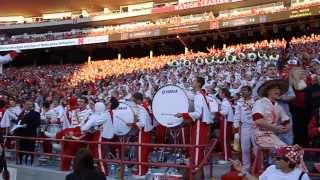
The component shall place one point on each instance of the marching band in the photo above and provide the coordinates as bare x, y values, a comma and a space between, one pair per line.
138, 118
190, 107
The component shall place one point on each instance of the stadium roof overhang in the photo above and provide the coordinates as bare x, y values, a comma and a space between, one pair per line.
30, 8
213, 8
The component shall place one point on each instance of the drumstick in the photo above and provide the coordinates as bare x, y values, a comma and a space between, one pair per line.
168, 114
122, 119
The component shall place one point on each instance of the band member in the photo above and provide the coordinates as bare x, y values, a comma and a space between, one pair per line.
29, 121
11, 114
80, 114
144, 123
10, 118
159, 129
226, 123
68, 148
270, 119
56, 116
61, 116
243, 121
45, 117
112, 105
200, 119
107, 134
90, 131
56, 120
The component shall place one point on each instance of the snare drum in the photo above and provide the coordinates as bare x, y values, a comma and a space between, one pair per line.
122, 115
169, 101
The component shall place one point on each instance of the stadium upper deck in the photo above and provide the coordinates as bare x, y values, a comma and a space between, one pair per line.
141, 20
23, 14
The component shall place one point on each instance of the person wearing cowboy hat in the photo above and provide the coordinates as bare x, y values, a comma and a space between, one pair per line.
286, 166
269, 117
273, 74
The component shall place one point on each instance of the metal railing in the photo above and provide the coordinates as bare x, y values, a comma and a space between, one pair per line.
193, 169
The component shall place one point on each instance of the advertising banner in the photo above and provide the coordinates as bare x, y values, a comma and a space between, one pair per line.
190, 5
140, 34
202, 3
238, 22
55, 43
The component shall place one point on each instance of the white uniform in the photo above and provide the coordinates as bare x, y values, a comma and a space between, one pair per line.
94, 121
93, 126
213, 103
76, 117
199, 130
226, 128
10, 114
273, 114
201, 111
145, 122
243, 120
144, 119
51, 116
61, 116
107, 130
226, 110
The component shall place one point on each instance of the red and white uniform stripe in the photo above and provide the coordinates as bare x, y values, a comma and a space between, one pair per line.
201, 117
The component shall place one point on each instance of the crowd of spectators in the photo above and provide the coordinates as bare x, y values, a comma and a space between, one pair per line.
99, 79
139, 26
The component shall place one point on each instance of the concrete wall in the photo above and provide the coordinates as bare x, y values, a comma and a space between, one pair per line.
34, 173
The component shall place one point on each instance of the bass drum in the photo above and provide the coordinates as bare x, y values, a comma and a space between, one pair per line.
122, 115
168, 101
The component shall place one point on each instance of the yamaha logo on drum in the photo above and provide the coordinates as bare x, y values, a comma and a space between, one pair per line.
169, 91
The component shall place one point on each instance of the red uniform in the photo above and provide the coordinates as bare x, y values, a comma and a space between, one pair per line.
68, 148
100, 119
199, 128
145, 125
226, 124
